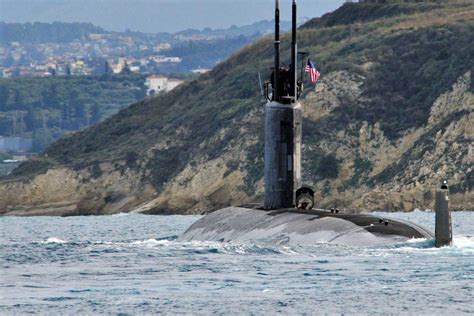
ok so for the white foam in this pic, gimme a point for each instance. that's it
(151, 242)
(416, 240)
(54, 240)
(463, 242)
(120, 214)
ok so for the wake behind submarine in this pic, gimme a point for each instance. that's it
(287, 215)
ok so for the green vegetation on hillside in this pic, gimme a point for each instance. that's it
(351, 13)
(45, 108)
(203, 53)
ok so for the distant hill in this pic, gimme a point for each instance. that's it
(391, 117)
(62, 32)
(256, 28)
(37, 32)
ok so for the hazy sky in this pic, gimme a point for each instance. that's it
(157, 15)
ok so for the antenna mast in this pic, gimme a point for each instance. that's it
(294, 48)
(276, 71)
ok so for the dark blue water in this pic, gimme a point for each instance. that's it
(131, 264)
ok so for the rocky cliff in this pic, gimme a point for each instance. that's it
(391, 117)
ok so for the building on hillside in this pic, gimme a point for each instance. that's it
(79, 68)
(5, 72)
(158, 84)
(135, 69)
(113, 67)
(155, 84)
(163, 59)
(62, 69)
(161, 46)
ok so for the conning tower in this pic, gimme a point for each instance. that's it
(283, 123)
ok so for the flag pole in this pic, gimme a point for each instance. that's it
(303, 54)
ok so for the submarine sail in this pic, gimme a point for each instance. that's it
(283, 123)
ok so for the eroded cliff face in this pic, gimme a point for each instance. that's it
(403, 175)
(65, 191)
(374, 173)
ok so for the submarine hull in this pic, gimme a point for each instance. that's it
(297, 227)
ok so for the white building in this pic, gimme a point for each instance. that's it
(158, 83)
(163, 59)
(134, 68)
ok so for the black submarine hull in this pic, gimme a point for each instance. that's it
(301, 227)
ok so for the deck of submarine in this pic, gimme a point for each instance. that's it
(295, 226)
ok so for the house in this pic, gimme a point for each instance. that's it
(158, 83)
(162, 46)
(115, 68)
(163, 59)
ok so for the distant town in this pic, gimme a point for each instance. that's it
(81, 49)
(95, 54)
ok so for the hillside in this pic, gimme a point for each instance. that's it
(38, 32)
(392, 116)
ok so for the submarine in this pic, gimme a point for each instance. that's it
(288, 216)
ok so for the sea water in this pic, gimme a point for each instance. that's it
(132, 264)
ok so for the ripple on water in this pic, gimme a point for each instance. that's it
(133, 264)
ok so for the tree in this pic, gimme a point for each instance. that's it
(107, 69)
(41, 138)
(18, 99)
(30, 118)
(80, 114)
(126, 70)
(50, 95)
(96, 115)
(9, 61)
(4, 95)
(328, 167)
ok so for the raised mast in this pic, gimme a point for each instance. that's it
(276, 93)
(294, 48)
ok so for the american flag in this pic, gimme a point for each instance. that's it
(314, 73)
